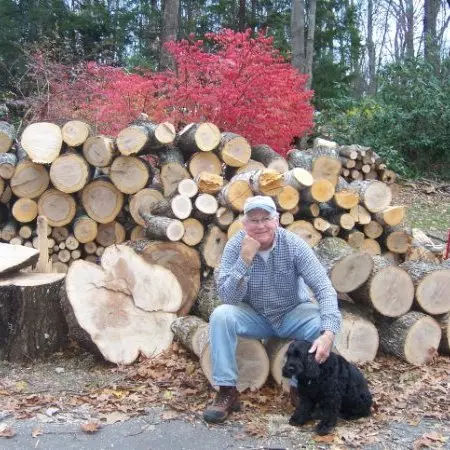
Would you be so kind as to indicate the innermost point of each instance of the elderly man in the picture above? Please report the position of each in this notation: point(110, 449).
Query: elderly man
point(262, 282)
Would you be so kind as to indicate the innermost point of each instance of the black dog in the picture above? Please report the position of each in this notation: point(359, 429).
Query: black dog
point(335, 388)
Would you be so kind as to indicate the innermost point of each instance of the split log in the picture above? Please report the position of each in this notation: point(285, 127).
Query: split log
point(32, 321)
point(191, 332)
point(204, 162)
point(8, 162)
point(209, 183)
point(207, 299)
point(358, 339)
point(234, 150)
point(264, 182)
point(30, 180)
point(16, 257)
point(69, 172)
point(432, 286)
point(145, 134)
point(102, 201)
point(388, 290)
point(212, 246)
point(269, 157)
point(413, 337)
point(298, 178)
point(252, 363)
point(85, 229)
point(360, 215)
point(24, 210)
point(129, 174)
point(444, 322)
point(203, 137)
point(276, 351)
point(193, 232)
point(163, 227)
point(57, 206)
point(42, 141)
point(110, 234)
point(374, 195)
point(99, 151)
point(305, 231)
point(182, 261)
point(7, 136)
point(75, 132)
point(126, 308)
point(143, 201)
point(234, 194)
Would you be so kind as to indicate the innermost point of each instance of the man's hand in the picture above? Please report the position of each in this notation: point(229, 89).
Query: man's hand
point(322, 346)
point(249, 249)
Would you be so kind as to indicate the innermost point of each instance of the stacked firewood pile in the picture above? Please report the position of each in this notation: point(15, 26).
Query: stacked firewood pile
point(175, 198)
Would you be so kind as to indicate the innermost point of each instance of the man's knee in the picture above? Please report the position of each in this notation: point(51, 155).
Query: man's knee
point(222, 314)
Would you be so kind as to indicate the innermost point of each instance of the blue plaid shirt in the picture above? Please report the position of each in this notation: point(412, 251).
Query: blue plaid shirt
point(276, 287)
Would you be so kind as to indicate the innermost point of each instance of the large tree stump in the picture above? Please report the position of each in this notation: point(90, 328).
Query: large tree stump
point(432, 286)
point(32, 322)
point(16, 257)
point(413, 337)
point(357, 340)
point(389, 290)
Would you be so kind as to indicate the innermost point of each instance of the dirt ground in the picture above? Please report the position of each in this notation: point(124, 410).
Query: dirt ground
point(411, 404)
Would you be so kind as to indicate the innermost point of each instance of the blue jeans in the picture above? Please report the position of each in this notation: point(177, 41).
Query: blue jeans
point(227, 322)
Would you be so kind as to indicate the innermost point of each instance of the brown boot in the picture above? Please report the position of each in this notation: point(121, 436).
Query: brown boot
point(226, 401)
point(293, 396)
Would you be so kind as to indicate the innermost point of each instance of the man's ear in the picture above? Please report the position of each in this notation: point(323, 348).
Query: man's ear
point(312, 369)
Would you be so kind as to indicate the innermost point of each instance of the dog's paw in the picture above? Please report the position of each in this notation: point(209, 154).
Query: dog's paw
point(324, 428)
point(297, 421)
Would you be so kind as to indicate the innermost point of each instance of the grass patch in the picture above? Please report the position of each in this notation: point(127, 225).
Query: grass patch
point(426, 215)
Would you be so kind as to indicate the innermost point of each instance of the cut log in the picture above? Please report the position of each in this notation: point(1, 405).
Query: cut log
point(69, 172)
point(102, 201)
point(189, 331)
point(5, 197)
point(58, 207)
point(351, 272)
point(25, 232)
point(373, 229)
point(301, 159)
point(110, 233)
point(326, 165)
point(252, 363)
point(75, 132)
point(235, 227)
point(209, 183)
point(234, 150)
point(207, 299)
point(305, 231)
point(345, 221)
point(143, 200)
point(307, 210)
point(42, 141)
point(31, 318)
point(360, 215)
point(64, 255)
point(110, 305)
point(224, 217)
point(432, 286)
point(193, 232)
point(212, 246)
point(234, 194)
point(321, 191)
point(182, 261)
point(444, 322)
point(370, 246)
point(320, 143)
point(24, 210)
point(396, 239)
point(298, 178)
point(7, 136)
point(203, 137)
point(8, 162)
point(414, 337)
point(392, 215)
point(60, 234)
point(145, 134)
point(264, 182)
point(331, 250)
point(358, 339)
point(287, 218)
point(354, 238)
point(9, 230)
point(287, 199)
point(389, 290)
point(85, 229)
point(163, 227)
point(171, 175)
point(16, 257)
point(17, 240)
point(387, 176)
point(179, 207)
point(188, 187)
point(276, 351)
point(129, 174)
point(206, 204)
point(30, 180)
point(349, 151)
point(90, 248)
point(251, 166)
point(204, 162)
point(99, 151)
point(419, 253)
point(72, 242)
point(374, 195)
point(269, 157)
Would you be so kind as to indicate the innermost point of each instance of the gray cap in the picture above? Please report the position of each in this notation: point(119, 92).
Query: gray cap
point(260, 202)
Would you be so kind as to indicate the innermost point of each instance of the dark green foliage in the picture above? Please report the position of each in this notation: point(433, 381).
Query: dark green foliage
point(407, 122)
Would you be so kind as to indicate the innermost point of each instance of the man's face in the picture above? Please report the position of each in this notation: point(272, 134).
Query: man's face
point(261, 226)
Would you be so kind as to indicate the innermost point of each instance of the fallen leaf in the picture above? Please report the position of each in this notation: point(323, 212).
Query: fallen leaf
point(114, 417)
point(37, 431)
point(90, 427)
point(6, 431)
point(169, 415)
point(328, 438)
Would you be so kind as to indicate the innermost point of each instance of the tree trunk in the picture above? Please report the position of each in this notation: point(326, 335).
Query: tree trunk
point(298, 35)
point(431, 46)
point(169, 31)
point(310, 42)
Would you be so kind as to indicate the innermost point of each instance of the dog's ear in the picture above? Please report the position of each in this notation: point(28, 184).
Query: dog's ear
point(312, 369)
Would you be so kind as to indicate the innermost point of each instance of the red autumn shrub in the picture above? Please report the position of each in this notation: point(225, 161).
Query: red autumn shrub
point(240, 83)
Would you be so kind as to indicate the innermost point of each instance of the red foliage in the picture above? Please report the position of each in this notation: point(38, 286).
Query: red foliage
point(240, 83)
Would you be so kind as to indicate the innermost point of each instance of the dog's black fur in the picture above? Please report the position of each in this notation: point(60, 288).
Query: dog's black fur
point(335, 388)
